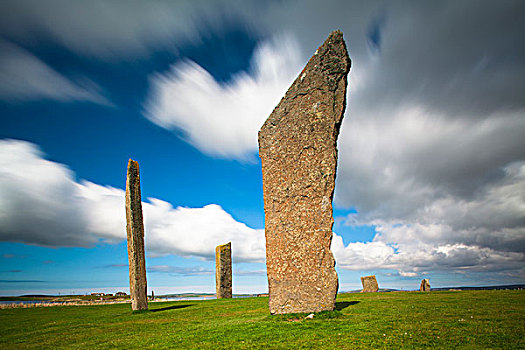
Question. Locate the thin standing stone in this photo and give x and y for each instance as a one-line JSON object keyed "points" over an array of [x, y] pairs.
{"points": [[135, 233], [298, 150], [223, 270]]}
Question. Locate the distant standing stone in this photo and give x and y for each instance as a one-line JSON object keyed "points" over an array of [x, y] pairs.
{"points": [[135, 233], [369, 284], [223, 270], [425, 285], [298, 149]]}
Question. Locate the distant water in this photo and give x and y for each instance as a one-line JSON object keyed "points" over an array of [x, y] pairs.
{"points": [[160, 298], [207, 297], [184, 298], [5, 302]]}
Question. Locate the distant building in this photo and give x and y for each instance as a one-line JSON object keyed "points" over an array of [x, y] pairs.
{"points": [[98, 294], [120, 294]]}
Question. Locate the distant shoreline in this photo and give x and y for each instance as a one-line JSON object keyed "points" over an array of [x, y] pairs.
{"points": [[52, 300], [500, 287]]}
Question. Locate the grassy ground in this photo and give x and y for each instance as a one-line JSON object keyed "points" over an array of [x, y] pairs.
{"points": [[401, 320]]}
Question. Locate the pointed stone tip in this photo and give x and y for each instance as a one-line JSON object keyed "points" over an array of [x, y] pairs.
{"points": [[133, 163], [336, 46], [335, 37], [336, 33]]}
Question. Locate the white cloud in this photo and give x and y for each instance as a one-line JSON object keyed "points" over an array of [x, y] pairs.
{"points": [[443, 194], [42, 204], [419, 258], [197, 231], [118, 30], [24, 77], [223, 120], [445, 233], [91, 28], [360, 255], [413, 155], [38, 202]]}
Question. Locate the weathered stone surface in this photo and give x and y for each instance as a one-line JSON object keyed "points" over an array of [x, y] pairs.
{"points": [[135, 232], [425, 286], [297, 146], [223, 270], [369, 284]]}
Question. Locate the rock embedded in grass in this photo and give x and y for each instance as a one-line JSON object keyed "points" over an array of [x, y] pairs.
{"points": [[425, 285], [223, 270], [298, 149], [369, 284]]}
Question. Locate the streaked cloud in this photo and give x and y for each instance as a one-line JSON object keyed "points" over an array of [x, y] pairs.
{"points": [[23, 281], [91, 29], [222, 120], [42, 203], [249, 272], [24, 77], [115, 265], [184, 271], [95, 213]]}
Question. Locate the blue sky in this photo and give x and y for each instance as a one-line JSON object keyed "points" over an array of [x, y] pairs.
{"points": [[431, 152]]}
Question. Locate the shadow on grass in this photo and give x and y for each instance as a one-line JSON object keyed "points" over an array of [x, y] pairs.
{"points": [[340, 305], [171, 307]]}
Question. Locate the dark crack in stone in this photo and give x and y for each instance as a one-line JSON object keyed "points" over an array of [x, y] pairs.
{"points": [[298, 149]]}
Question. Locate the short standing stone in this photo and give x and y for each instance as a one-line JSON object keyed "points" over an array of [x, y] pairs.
{"points": [[298, 149], [223, 270], [425, 285], [135, 233], [369, 284]]}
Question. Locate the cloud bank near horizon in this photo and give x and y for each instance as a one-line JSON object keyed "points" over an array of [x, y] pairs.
{"points": [[42, 204]]}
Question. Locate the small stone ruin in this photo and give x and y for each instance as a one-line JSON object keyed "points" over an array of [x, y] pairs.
{"points": [[425, 285], [369, 284], [223, 270], [135, 232], [298, 150]]}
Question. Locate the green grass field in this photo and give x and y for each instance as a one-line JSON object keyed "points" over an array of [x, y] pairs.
{"points": [[400, 320]]}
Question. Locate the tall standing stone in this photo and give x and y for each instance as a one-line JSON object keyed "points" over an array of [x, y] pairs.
{"points": [[297, 146], [369, 284], [223, 270], [135, 233], [425, 285]]}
